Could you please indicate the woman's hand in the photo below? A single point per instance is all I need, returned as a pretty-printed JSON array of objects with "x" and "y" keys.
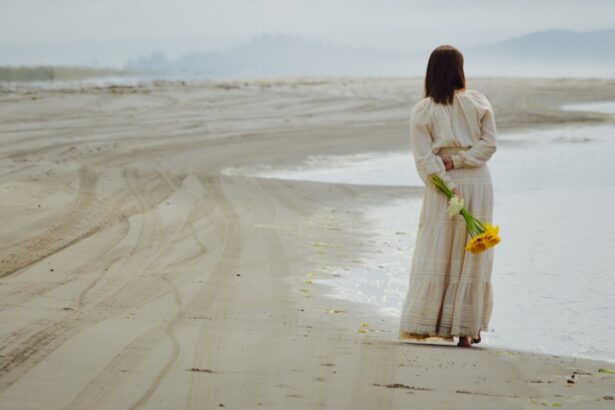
[
  {"x": 457, "y": 192},
  {"x": 448, "y": 161}
]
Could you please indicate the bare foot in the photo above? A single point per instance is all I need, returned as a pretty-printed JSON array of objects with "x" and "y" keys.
[
  {"x": 464, "y": 341},
  {"x": 477, "y": 340}
]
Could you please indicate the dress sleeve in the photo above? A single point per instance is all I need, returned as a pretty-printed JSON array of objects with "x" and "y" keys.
[
  {"x": 427, "y": 163},
  {"x": 484, "y": 148}
]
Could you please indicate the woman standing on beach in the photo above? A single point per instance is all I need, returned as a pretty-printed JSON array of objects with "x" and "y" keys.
[{"x": 453, "y": 134}]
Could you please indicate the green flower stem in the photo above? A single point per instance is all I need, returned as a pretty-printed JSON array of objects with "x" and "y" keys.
[
  {"x": 439, "y": 183},
  {"x": 474, "y": 225},
  {"x": 483, "y": 228}
]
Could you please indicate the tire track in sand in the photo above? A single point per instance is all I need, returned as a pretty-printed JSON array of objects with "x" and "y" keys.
[
  {"x": 209, "y": 291},
  {"x": 110, "y": 219},
  {"x": 222, "y": 271},
  {"x": 103, "y": 258},
  {"x": 203, "y": 390},
  {"x": 133, "y": 354},
  {"x": 73, "y": 226},
  {"x": 138, "y": 290},
  {"x": 115, "y": 229},
  {"x": 22, "y": 335}
]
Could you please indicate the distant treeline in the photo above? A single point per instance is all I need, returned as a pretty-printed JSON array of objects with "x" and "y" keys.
[{"x": 55, "y": 73}]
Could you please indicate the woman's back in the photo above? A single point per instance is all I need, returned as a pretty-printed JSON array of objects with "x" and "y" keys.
[
  {"x": 458, "y": 124},
  {"x": 466, "y": 124}
]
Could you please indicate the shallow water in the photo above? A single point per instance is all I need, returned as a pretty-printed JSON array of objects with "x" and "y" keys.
[
  {"x": 554, "y": 271},
  {"x": 604, "y": 107}
]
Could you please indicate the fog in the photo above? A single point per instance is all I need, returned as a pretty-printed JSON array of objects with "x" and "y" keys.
[{"x": 114, "y": 33}]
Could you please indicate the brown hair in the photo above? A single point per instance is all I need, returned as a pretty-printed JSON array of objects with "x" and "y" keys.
[{"x": 444, "y": 74}]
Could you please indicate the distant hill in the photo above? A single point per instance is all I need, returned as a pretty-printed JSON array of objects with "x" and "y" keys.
[
  {"x": 277, "y": 55},
  {"x": 548, "y": 53},
  {"x": 554, "y": 53}
]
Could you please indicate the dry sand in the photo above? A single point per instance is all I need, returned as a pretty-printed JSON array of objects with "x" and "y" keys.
[{"x": 134, "y": 273}]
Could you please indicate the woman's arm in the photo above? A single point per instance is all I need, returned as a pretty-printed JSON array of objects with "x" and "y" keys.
[{"x": 427, "y": 163}]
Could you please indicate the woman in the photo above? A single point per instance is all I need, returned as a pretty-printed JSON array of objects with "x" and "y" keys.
[{"x": 453, "y": 134}]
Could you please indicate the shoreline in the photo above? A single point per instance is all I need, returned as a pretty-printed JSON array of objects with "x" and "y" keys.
[{"x": 138, "y": 272}]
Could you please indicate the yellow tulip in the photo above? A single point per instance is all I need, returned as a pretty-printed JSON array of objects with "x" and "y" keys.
[
  {"x": 493, "y": 241},
  {"x": 477, "y": 244}
]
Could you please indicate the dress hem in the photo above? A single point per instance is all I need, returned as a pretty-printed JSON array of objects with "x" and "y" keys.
[
  {"x": 424, "y": 337},
  {"x": 404, "y": 334}
]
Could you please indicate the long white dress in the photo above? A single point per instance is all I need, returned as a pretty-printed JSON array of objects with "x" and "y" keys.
[{"x": 450, "y": 291}]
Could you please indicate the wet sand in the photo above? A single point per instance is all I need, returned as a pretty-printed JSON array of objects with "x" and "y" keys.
[{"x": 134, "y": 273}]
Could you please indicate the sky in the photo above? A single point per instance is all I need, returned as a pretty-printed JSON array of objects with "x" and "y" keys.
[{"x": 109, "y": 32}]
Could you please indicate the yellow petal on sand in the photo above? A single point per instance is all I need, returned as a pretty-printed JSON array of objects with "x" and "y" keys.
[
  {"x": 362, "y": 331},
  {"x": 309, "y": 282},
  {"x": 310, "y": 273},
  {"x": 335, "y": 311},
  {"x": 304, "y": 290},
  {"x": 605, "y": 371},
  {"x": 365, "y": 324}
]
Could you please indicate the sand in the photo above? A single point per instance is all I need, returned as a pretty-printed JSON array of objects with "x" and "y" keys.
[{"x": 134, "y": 272}]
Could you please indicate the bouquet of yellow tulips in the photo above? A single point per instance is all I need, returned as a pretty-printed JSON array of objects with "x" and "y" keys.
[{"x": 484, "y": 235}]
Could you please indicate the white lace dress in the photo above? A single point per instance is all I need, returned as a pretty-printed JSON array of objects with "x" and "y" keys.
[{"x": 450, "y": 291}]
